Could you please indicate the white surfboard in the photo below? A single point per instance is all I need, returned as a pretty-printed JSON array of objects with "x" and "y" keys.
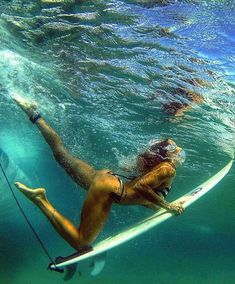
[{"x": 160, "y": 216}]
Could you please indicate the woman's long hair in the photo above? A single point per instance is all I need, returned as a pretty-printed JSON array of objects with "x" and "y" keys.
[{"x": 156, "y": 154}]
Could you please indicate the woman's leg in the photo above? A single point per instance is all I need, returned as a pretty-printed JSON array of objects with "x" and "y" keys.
[
  {"x": 79, "y": 170},
  {"x": 94, "y": 214}
]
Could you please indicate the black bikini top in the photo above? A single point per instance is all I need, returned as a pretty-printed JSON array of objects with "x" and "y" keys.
[{"x": 164, "y": 191}]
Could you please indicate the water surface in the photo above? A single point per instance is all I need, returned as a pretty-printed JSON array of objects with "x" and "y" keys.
[{"x": 101, "y": 73}]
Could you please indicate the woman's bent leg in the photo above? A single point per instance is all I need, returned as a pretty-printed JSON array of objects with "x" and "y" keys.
[
  {"x": 94, "y": 214},
  {"x": 61, "y": 224}
]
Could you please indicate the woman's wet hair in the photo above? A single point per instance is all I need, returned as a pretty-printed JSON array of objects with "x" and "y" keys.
[{"x": 157, "y": 153}]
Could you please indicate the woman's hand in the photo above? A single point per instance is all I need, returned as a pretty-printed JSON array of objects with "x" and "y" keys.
[{"x": 176, "y": 208}]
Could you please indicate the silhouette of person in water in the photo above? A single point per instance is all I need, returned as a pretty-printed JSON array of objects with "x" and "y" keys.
[{"x": 156, "y": 170}]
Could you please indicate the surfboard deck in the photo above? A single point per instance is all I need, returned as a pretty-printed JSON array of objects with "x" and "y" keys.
[{"x": 143, "y": 226}]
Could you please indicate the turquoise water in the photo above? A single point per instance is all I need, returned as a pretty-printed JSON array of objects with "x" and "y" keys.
[{"x": 101, "y": 72}]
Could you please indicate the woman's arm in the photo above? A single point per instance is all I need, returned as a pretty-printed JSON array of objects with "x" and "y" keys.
[
  {"x": 157, "y": 201},
  {"x": 151, "y": 196},
  {"x": 153, "y": 180}
]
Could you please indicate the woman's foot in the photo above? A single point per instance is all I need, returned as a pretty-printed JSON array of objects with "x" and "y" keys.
[
  {"x": 26, "y": 106},
  {"x": 35, "y": 195}
]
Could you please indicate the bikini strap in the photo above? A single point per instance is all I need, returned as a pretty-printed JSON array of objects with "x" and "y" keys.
[{"x": 126, "y": 177}]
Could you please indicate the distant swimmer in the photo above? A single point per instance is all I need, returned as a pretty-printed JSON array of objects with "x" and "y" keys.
[{"x": 156, "y": 167}]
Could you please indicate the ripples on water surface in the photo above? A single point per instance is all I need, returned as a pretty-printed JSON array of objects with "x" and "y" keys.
[{"x": 102, "y": 72}]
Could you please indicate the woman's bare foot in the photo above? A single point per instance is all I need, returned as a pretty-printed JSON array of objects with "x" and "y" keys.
[
  {"x": 35, "y": 195},
  {"x": 26, "y": 106}
]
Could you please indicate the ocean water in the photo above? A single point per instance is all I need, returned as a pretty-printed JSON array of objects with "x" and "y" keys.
[{"x": 101, "y": 73}]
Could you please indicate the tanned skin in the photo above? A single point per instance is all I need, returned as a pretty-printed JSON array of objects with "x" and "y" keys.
[{"x": 100, "y": 185}]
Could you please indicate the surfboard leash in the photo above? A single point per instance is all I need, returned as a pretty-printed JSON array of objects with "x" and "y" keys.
[{"x": 29, "y": 223}]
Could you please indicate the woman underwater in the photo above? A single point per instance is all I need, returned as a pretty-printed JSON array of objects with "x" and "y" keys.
[{"x": 156, "y": 170}]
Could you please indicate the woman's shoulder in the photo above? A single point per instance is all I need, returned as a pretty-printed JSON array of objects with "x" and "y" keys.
[{"x": 164, "y": 169}]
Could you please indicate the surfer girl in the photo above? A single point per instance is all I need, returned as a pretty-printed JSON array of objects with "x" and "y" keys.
[{"x": 156, "y": 170}]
